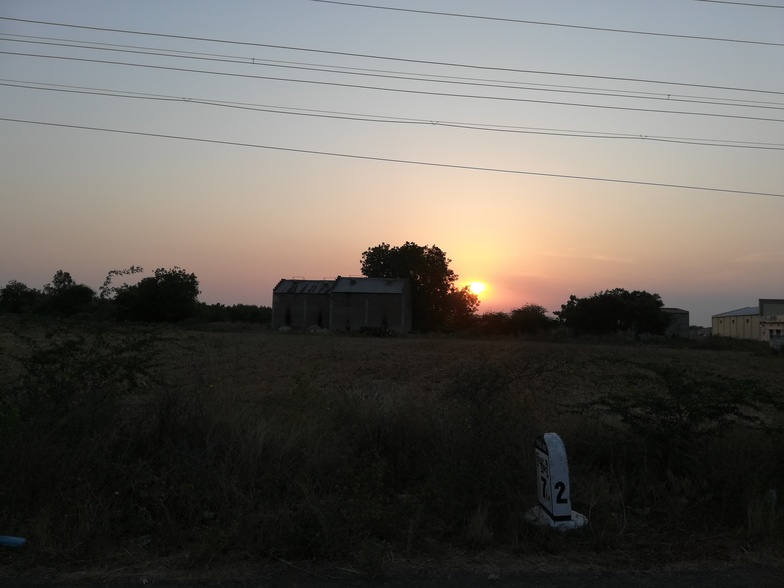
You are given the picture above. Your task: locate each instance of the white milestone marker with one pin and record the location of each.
(552, 484)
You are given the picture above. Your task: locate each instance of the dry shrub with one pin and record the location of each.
(357, 462)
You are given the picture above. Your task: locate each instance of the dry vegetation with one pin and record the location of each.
(206, 446)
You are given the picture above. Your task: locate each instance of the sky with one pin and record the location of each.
(550, 148)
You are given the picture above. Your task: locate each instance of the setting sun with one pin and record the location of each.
(476, 288)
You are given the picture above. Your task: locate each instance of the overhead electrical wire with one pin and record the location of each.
(388, 119)
(395, 59)
(404, 76)
(494, 84)
(386, 74)
(395, 160)
(551, 24)
(403, 90)
(748, 4)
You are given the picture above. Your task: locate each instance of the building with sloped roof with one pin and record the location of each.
(343, 304)
(757, 323)
(371, 303)
(679, 322)
(301, 303)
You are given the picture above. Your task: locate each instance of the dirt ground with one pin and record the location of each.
(460, 571)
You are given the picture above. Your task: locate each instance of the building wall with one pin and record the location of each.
(345, 304)
(739, 327)
(352, 311)
(679, 323)
(771, 326)
(300, 310)
(771, 306)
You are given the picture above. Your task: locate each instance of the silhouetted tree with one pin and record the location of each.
(61, 281)
(531, 319)
(64, 297)
(170, 295)
(237, 313)
(17, 298)
(615, 311)
(494, 323)
(71, 300)
(436, 302)
(107, 291)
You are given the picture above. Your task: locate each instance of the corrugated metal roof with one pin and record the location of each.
(303, 287)
(370, 285)
(749, 310)
(674, 310)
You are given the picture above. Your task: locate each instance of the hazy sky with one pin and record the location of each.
(308, 131)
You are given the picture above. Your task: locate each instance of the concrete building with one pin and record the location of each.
(679, 322)
(757, 323)
(343, 304)
(376, 303)
(301, 303)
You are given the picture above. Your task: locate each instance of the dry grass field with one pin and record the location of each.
(133, 445)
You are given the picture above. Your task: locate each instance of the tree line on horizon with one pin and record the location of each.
(169, 295)
(438, 305)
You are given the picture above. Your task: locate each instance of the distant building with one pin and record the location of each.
(679, 322)
(301, 303)
(357, 303)
(757, 323)
(343, 304)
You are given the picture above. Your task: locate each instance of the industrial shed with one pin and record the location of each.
(679, 322)
(343, 304)
(758, 323)
(301, 303)
(376, 303)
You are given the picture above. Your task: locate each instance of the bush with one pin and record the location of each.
(358, 467)
(666, 445)
(168, 296)
(531, 319)
(62, 366)
(17, 298)
(615, 311)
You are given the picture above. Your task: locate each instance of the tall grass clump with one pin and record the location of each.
(64, 395)
(102, 453)
(675, 449)
(125, 439)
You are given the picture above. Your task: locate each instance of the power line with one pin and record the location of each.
(373, 118)
(552, 24)
(395, 59)
(750, 5)
(393, 160)
(403, 90)
(386, 74)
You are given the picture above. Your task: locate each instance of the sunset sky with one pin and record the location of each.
(548, 147)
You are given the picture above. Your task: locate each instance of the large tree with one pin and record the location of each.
(60, 281)
(436, 302)
(168, 296)
(614, 311)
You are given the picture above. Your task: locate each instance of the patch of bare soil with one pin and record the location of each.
(461, 570)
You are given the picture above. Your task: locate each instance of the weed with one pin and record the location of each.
(332, 448)
(478, 532)
(678, 449)
(63, 366)
(672, 408)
